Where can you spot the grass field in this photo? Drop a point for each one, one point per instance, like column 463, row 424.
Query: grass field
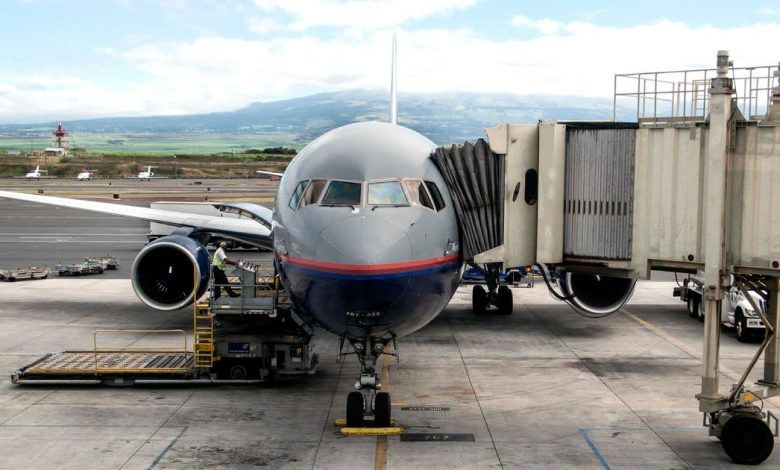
column 219, row 165
column 152, row 144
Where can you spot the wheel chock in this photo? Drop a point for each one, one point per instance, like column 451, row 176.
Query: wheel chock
column 371, row 431
column 342, row 423
column 394, row 430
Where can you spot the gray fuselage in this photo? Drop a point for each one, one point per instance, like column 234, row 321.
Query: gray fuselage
column 364, row 245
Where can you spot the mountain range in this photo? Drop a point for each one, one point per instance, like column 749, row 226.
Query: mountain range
column 442, row 117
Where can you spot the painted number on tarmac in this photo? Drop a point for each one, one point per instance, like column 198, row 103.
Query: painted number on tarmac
column 437, row 437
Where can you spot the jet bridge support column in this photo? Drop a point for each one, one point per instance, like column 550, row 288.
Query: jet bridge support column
column 714, row 240
column 772, row 353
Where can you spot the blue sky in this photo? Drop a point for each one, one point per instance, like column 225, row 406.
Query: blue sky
column 72, row 59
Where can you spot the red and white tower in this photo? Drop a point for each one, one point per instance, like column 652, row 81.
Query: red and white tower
column 61, row 138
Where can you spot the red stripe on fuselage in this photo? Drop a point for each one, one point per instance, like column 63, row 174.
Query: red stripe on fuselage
column 388, row 268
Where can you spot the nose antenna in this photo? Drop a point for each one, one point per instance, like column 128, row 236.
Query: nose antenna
column 393, row 91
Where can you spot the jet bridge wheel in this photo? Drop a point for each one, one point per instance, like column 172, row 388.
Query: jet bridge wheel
column 747, row 439
column 355, row 410
column 382, row 410
column 479, row 300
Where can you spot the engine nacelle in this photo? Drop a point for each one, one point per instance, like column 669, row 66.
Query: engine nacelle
column 168, row 272
column 597, row 294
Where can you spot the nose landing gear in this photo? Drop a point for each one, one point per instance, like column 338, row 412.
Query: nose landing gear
column 367, row 400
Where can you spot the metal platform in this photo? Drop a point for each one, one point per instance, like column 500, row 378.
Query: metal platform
column 94, row 365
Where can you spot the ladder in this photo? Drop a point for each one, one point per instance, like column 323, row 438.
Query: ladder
column 203, row 349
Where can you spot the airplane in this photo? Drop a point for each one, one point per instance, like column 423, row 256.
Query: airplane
column 146, row 175
column 86, row 175
column 36, row 173
column 366, row 243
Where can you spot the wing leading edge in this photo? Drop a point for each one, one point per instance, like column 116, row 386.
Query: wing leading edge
column 251, row 231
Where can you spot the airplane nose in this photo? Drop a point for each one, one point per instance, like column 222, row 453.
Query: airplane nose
column 365, row 240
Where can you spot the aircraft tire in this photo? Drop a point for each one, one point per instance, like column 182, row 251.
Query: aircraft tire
column 479, row 301
column 747, row 439
column 505, row 303
column 382, row 410
column 700, row 310
column 355, row 410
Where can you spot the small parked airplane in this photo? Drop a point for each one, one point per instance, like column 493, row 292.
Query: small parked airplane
column 86, row 175
column 36, row 173
column 146, row 175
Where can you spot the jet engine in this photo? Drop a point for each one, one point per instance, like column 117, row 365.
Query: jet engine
column 595, row 294
column 169, row 272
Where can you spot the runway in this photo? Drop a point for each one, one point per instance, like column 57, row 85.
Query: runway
column 542, row 388
column 37, row 235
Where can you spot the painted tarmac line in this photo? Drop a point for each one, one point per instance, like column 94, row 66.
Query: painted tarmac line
column 584, row 433
column 597, row 452
column 168, row 447
column 380, row 454
column 731, row 374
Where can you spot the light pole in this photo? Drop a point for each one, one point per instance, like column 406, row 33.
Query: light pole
column 175, row 168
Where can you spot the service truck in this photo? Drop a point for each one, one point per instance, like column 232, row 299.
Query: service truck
column 736, row 311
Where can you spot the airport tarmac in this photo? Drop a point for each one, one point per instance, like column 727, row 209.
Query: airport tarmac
column 542, row 388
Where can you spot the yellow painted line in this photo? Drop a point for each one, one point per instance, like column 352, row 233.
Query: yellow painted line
column 733, row 375
column 380, row 455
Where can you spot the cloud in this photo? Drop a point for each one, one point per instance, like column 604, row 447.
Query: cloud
column 361, row 14
column 544, row 26
column 212, row 73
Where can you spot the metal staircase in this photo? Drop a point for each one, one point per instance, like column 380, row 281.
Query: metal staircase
column 203, row 349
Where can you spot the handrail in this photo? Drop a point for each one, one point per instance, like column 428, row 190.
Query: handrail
column 681, row 95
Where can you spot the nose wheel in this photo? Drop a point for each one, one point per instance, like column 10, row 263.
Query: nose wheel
column 367, row 400
column 355, row 410
column 382, row 410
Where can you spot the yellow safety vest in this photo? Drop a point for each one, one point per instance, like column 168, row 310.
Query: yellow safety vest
column 216, row 261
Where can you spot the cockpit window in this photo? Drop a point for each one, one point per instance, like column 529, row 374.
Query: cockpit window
column 386, row 193
column 418, row 195
column 313, row 192
column 296, row 196
column 342, row 193
column 438, row 201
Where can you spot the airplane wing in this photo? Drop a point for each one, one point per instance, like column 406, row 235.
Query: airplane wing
column 248, row 230
column 269, row 173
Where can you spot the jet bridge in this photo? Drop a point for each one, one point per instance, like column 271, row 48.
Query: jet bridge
column 689, row 187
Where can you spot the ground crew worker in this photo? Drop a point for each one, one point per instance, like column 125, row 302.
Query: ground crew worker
column 218, row 271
